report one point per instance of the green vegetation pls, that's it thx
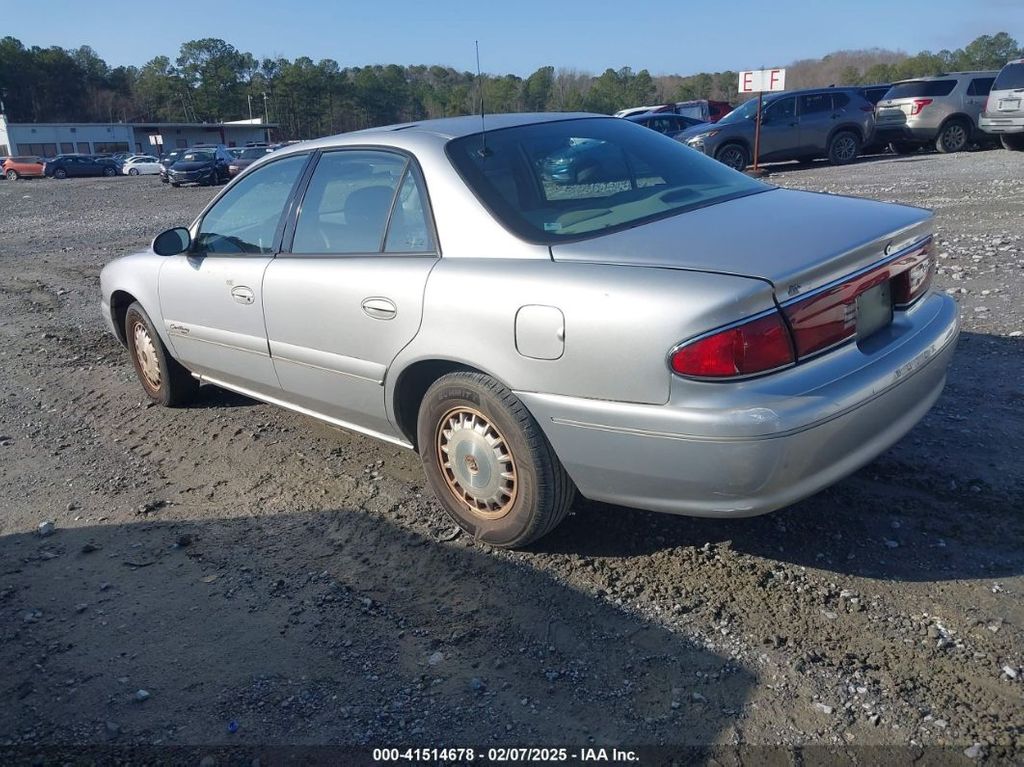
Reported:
(211, 80)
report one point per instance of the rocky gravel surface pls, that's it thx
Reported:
(236, 574)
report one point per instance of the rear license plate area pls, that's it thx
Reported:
(874, 310)
(1009, 105)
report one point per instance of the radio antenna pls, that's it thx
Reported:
(480, 88)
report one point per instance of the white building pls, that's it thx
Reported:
(51, 139)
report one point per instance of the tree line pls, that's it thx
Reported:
(210, 80)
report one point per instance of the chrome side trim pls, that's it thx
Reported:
(328, 361)
(224, 338)
(304, 411)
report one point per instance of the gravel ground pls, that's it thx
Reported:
(236, 566)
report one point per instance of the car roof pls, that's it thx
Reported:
(456, 127)
(947, 75)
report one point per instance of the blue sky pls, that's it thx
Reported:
(662, 36)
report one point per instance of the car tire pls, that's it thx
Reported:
(843, 148)
(902, 147)
(133, 171)
(1013, 142)
(734, 155)
(175, 184)
(60, 173)
(954, 136)
(165, 381)
(494, 435)
(109, 172)
(12, 175)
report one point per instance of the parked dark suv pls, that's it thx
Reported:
(795, 125)
(71, 165)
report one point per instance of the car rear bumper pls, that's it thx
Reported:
(1002, 124)
(802, 429)
(885, 134)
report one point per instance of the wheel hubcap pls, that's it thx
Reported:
(845, 150)
(734, 159)
(145, 353)
(956, 137)
(476, 463)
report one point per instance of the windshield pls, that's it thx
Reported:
(917, 89)
(252, 154)
(571, 179)
(745, 112)
(197, 157)
(1010, 78)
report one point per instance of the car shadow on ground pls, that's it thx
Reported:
(331, 626)
(923, 155)
(944, 503)
(216, 397)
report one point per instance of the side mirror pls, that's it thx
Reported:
(172, 242)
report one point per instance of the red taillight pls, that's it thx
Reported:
(918, 105)
(753, 347)
(829, 317)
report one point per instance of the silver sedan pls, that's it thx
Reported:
(558, 303)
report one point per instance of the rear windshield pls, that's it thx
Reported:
(1011, 78)
(916, 89)
(572, 179)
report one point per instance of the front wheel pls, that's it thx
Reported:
(12, 175)
(953, 137)
(843, 148)
(133, 171)
(489, 463)
(108, 172)
(60, 173)
(1012, 142)
(733, 155)
(163, 378)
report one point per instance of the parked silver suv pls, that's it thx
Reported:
(1004, 113)
(941, 110)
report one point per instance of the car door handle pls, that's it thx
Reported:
(379, 308)
(243, 295)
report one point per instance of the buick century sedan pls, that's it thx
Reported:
(550, 304)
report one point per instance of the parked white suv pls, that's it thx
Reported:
(1004, 112)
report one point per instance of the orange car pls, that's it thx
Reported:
(23, 167)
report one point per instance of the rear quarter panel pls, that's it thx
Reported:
(620, 322)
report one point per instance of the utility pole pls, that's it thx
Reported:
(266, 113)
(249, 96)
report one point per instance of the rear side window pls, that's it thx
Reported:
(980, 86)
(917, 89)
(815, 103)
(571, 179)
(1011, 78)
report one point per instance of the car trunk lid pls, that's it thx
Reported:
(797, 241)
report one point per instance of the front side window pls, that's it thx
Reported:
(246, 217)
(782, 109)
(362, 201)
(571, 179)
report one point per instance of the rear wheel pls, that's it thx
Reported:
(489, 463)
(1013, 142)
(109, 171)
(163, 378)
(733, 155)
(953, 137)
(843, 148)
(12, 175)
(60, 173)
(175, 184)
